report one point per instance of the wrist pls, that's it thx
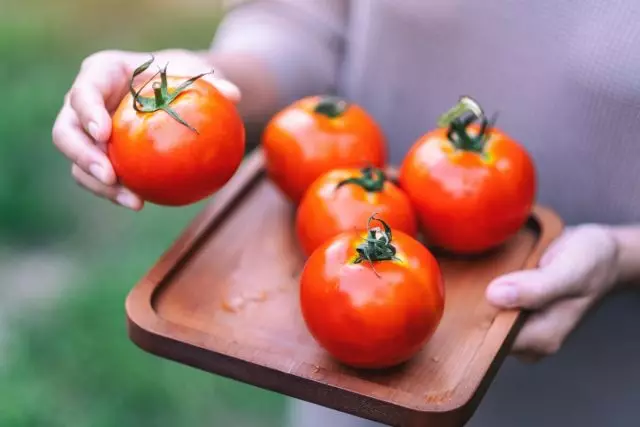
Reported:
(252, 76)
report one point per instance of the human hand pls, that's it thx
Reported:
(83, 125)
(578, 269)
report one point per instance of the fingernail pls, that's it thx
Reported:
(98, 172)
(92, 128)
(503, 294)
(127, 200)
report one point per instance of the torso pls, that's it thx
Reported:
(565, 78)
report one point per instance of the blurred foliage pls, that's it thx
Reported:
(75, 366)
(71, 363)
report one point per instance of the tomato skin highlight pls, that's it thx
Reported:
(165, 162)
(300, 143)
(469, 202)
(326, 210)
(368, 318)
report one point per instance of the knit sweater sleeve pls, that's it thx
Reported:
(301, 42)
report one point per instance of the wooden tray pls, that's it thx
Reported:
(223, 298)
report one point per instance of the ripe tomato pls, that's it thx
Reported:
(343, 199)
(472, 185)
(317, 134)
(372, 300)
(176, 142)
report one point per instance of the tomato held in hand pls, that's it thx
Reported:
(472, 185)
(317, 134)
(372, 300)
(343, 199)
(176, 142)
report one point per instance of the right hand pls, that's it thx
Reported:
(83, 125)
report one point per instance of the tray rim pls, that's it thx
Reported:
(149, 331)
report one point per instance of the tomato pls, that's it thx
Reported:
(372, 299)
(343, 199)
(317, 134)
(472, 185)
(178, 142)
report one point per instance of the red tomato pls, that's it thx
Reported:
(317, 134)
(473, 186)
(343, 199)
(372, 300)
(179, 142)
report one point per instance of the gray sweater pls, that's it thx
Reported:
(564, 76)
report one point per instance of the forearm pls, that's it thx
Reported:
(253, 78)
(278, 51)
(628, 241)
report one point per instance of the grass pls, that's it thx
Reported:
(71, 363)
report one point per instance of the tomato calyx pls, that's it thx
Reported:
(372, 180)
(459, 118)
(162, 98)
(377, 245)
(331, 106)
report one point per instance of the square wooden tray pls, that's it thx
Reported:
(223, 298)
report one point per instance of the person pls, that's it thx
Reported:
(564, 76)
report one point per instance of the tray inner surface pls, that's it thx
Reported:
(239, 287)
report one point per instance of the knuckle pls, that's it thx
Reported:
(77, 174)
(67, 96)
(85, 181)
(78, 99)
(58, 133)
(99, 58)
(75, 95)
(92, 59)
(55, 134)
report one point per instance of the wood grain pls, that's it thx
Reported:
(223, 298)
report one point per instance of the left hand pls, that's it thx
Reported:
(578, 269)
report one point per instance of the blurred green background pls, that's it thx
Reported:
(68, 259)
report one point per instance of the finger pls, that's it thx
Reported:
(115, 193)
(544, 332)
(558, 276)
(557, 247)
(531, 289)
(76, 145)
(228, 89)
(101, 79)
(90, 108)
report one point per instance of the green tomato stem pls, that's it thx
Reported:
(331, 106)
(162, 99)
(459, 118)
(372, 180)
(157, 92)
(376, 247)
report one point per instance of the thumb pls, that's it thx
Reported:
(228, 89)
(532, 289)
